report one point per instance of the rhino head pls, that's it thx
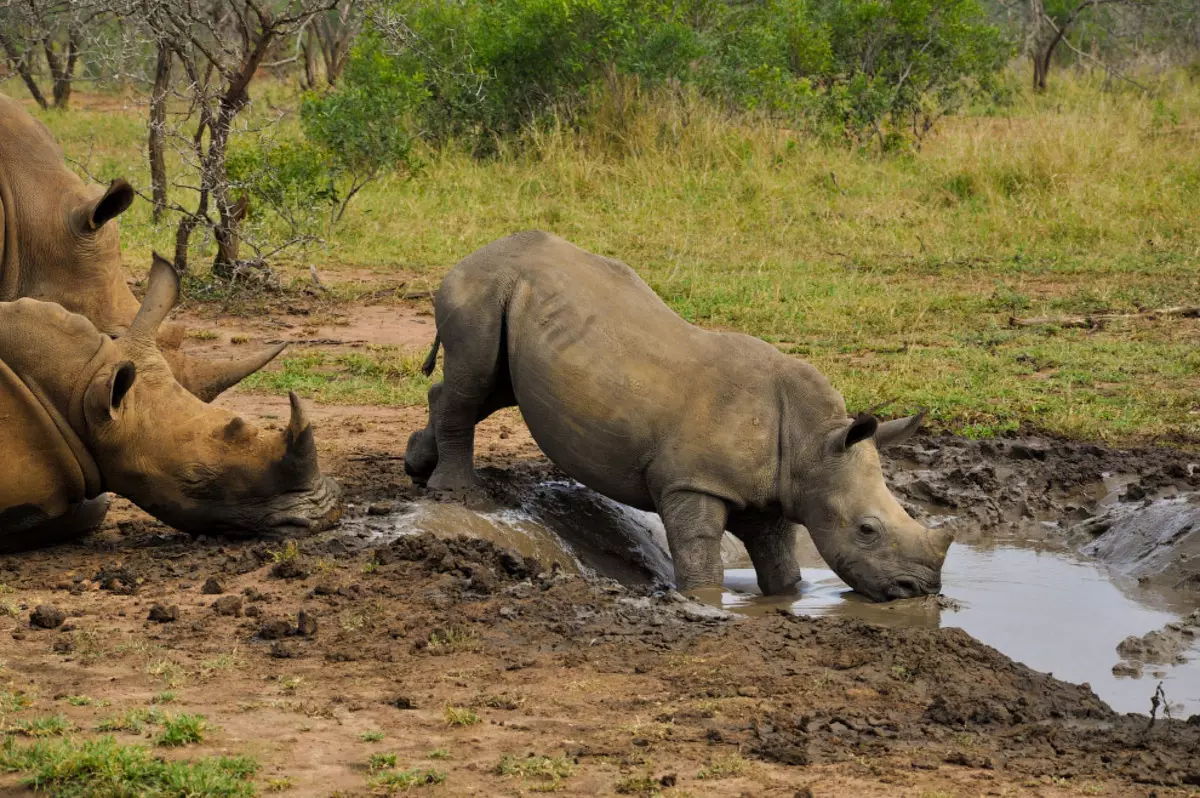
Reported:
(59, 243)
(857, 525)
(196, 467)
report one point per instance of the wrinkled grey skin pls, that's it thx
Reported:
(82, 415)
(714, 431)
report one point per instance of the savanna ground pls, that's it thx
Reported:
(456, 670)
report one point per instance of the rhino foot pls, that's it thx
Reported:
(446, 480)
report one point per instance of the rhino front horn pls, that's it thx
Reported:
(208, 379)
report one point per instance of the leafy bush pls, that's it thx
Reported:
(865, 70)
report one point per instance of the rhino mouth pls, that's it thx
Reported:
(909, 587)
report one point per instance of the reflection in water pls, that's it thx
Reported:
(1048, 609)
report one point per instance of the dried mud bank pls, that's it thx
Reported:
(1137, 511)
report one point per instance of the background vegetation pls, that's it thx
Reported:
(878, 187)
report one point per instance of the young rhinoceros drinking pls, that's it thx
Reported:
(82, 414)
(714, 431)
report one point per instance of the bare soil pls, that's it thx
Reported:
(637, 690)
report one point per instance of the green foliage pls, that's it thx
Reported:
(104, 769)
(182, 730)
(850, 67)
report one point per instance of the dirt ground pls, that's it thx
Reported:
(637, 692)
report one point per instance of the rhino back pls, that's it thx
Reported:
(617, 388)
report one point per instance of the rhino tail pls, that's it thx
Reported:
(431, 361)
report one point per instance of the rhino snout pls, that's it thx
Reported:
(314, 508)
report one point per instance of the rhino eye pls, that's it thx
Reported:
(867, 533)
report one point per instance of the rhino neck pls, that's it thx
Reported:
(55, 423)
(808, 408)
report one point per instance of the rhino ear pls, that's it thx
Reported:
(891, 433)
(103, 398)
(94, 214)
(860, 429)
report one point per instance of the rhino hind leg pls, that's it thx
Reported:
(771, 544)
(421, 455)
(475, 384)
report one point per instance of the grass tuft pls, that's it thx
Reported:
(461, 716)
(403, 780)
(77, 768)
(182, 730)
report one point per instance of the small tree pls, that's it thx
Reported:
(49, 30)
(218, 46)
(328, 36)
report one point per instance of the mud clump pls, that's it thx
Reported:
(275, 629)
(291, 568)
(479, 563)
(160, 613)
(120, 580)
(306, 624)
(228, 605)
(1165, 646)
(46, 616)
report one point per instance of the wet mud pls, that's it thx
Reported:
(566, 644)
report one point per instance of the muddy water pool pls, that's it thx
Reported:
(1048, 608)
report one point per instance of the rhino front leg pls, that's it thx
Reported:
(695, 523)
(771, 544)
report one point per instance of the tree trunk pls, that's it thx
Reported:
(158, 121)
(65, 74)
(310, 65)
(229, 243)
(20, 62)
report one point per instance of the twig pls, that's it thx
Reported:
(1096, 320)
(315, 341)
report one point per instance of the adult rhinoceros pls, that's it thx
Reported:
(59, 243)
(82, 414)
(714, 431)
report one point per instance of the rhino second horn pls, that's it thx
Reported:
(208, 379)
(300, 450)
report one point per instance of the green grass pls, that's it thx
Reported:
(545, 772)
(182, 730)
(44, 726)
(380, 375)
(724, 767)
(103, 768)
(404, 780)
(14, 701)
(379, 762)
(372, 736)
(461, 716)
(133, 721)
(895, 275)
